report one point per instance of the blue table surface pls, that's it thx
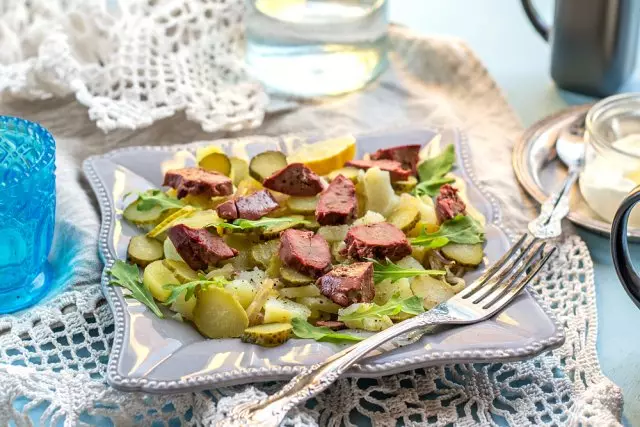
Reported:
(499, 32)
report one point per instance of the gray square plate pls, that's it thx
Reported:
(165, 356)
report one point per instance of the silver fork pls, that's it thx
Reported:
(482, 299)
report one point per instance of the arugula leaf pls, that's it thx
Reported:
(303, 329)
(432, 186)
(433, 170)
(461, 229)
(156, 198)
(438, 166)
(128, 276)
(190, 288)
(395, 305)
(247, 224)
(394, 271)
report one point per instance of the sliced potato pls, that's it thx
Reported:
(334, 233)
(300, 292)
(427, 211)
(431, 290)
(379, 193)
(293, 277)
(320, 303)
(243, 290)
(183, 307)
(468, 255)
(302, 205)
(239, 170)
(263, 252)
(461, 186)
(155, 277)
(181, 270)
(405, 216)
(263, 293)
(170, 251)
(281, 310)
(144, 250)
(216, 162)
(168, 222)
(151, 216)
(419, 253)
(218, 314)
(269, 335)
(273, 270)
(264, 165)
(370, 218)
(247, 186)
(225, 271)
(347, 171)
(410, 263)
(386, 289)
(405, 186)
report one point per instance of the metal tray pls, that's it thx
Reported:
(540, 172)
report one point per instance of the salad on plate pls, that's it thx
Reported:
(313, 245)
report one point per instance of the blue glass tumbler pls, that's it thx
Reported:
(27, 212)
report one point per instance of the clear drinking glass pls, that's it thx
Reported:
(310, 48)
(27, 211)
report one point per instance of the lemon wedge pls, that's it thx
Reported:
(325, 156)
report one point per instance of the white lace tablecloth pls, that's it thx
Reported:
(53, 357)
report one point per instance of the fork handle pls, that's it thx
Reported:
(315, 379)
(549, 223)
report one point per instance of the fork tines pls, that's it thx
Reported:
(510, 274)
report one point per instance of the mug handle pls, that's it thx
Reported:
(620, 247)
(540, 26)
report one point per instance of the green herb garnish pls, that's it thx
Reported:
(304, 329)
(432, 186)
(461, 229)
(247, 224)
(394, 272)
(128, 276)
(412, 305)
(156, 198)
(433, 170)
(190, 288)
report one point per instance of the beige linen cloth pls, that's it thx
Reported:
(57, 352)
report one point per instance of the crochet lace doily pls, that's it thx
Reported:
(53, 357)
(132, 62)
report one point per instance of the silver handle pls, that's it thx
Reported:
(549, 223)
(315, 379)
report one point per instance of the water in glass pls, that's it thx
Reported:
(27, 211)
(310, 48)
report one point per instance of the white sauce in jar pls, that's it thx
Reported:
(607, 180)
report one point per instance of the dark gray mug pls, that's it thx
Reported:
(593, 43)
(620, 247)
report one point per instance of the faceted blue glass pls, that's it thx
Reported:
(27, 211)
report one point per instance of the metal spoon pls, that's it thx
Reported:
(569, 146)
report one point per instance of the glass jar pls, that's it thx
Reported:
(612, 158)
(311, 48)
